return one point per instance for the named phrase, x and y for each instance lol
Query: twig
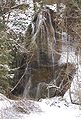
(20, 79)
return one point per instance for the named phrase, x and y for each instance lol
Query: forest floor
(57, 107)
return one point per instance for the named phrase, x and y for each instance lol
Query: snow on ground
(56, 107)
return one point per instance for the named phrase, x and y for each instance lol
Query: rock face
(63, 78)
(40, 66)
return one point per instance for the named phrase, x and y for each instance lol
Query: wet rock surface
(41, 65)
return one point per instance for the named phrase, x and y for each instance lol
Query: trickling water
(50, 35)
(51, 40)
(44, 38)
(27, 89)
(38, 91)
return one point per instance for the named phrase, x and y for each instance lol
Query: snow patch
(56, 107)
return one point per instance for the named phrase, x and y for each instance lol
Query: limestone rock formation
(40, 65)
